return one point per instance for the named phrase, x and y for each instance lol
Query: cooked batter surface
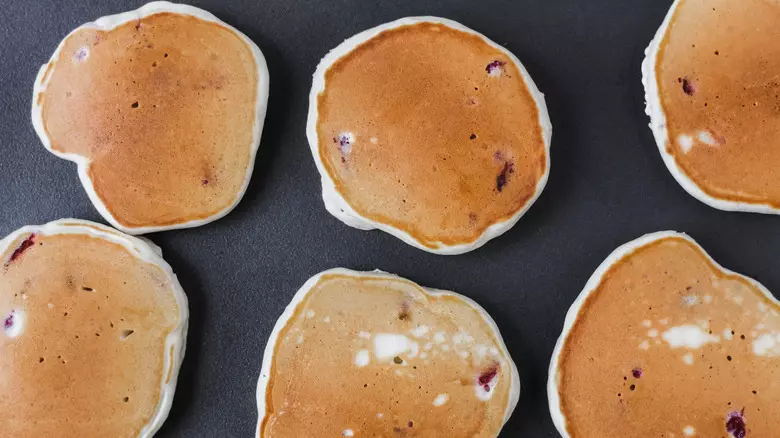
(431, 130)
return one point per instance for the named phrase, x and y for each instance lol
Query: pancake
(712, 90)
(663, 341)
(94, 328)
(371, 354)
(162, 110)
(429, 131)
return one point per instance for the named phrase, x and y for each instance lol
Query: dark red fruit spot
(342, 140)
(688, 87)
(735, 424)
(138, 25)
(503, 177)
(494, 68)
(636, 372)
(487, 376)
(205, 182)
(24, 246)
(8, 322)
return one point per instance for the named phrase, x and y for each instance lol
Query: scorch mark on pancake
(24, 246)
(404, 313)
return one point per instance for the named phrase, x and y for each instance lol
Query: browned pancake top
(718, 74)
(317, 386)
(441, 149)
(164, 108)
(621, 377)
(89, 360)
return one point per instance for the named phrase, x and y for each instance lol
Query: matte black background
(608, 185)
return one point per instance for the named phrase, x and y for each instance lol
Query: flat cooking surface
(607, 186)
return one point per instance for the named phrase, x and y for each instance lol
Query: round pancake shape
(94, 329)
(357, 354)
(161, 108)
(429, 131)
(712, 96)
(663, 341)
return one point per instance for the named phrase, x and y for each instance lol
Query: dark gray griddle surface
(607, 186)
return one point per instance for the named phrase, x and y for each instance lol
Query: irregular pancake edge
(147, 252)
(109, 22)
(300, 295)
(335, 202)
(593, 283)
(654, 109)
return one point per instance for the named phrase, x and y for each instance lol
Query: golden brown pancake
(713, 94)
(665, 342)
(428, 130)
(374, 355)
(162, 109)
(94, 324)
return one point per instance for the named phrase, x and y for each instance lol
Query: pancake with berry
(162, 110)
(663, 341)
(372, 354)
(429, 131)
(94, 326)
(713, 96)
